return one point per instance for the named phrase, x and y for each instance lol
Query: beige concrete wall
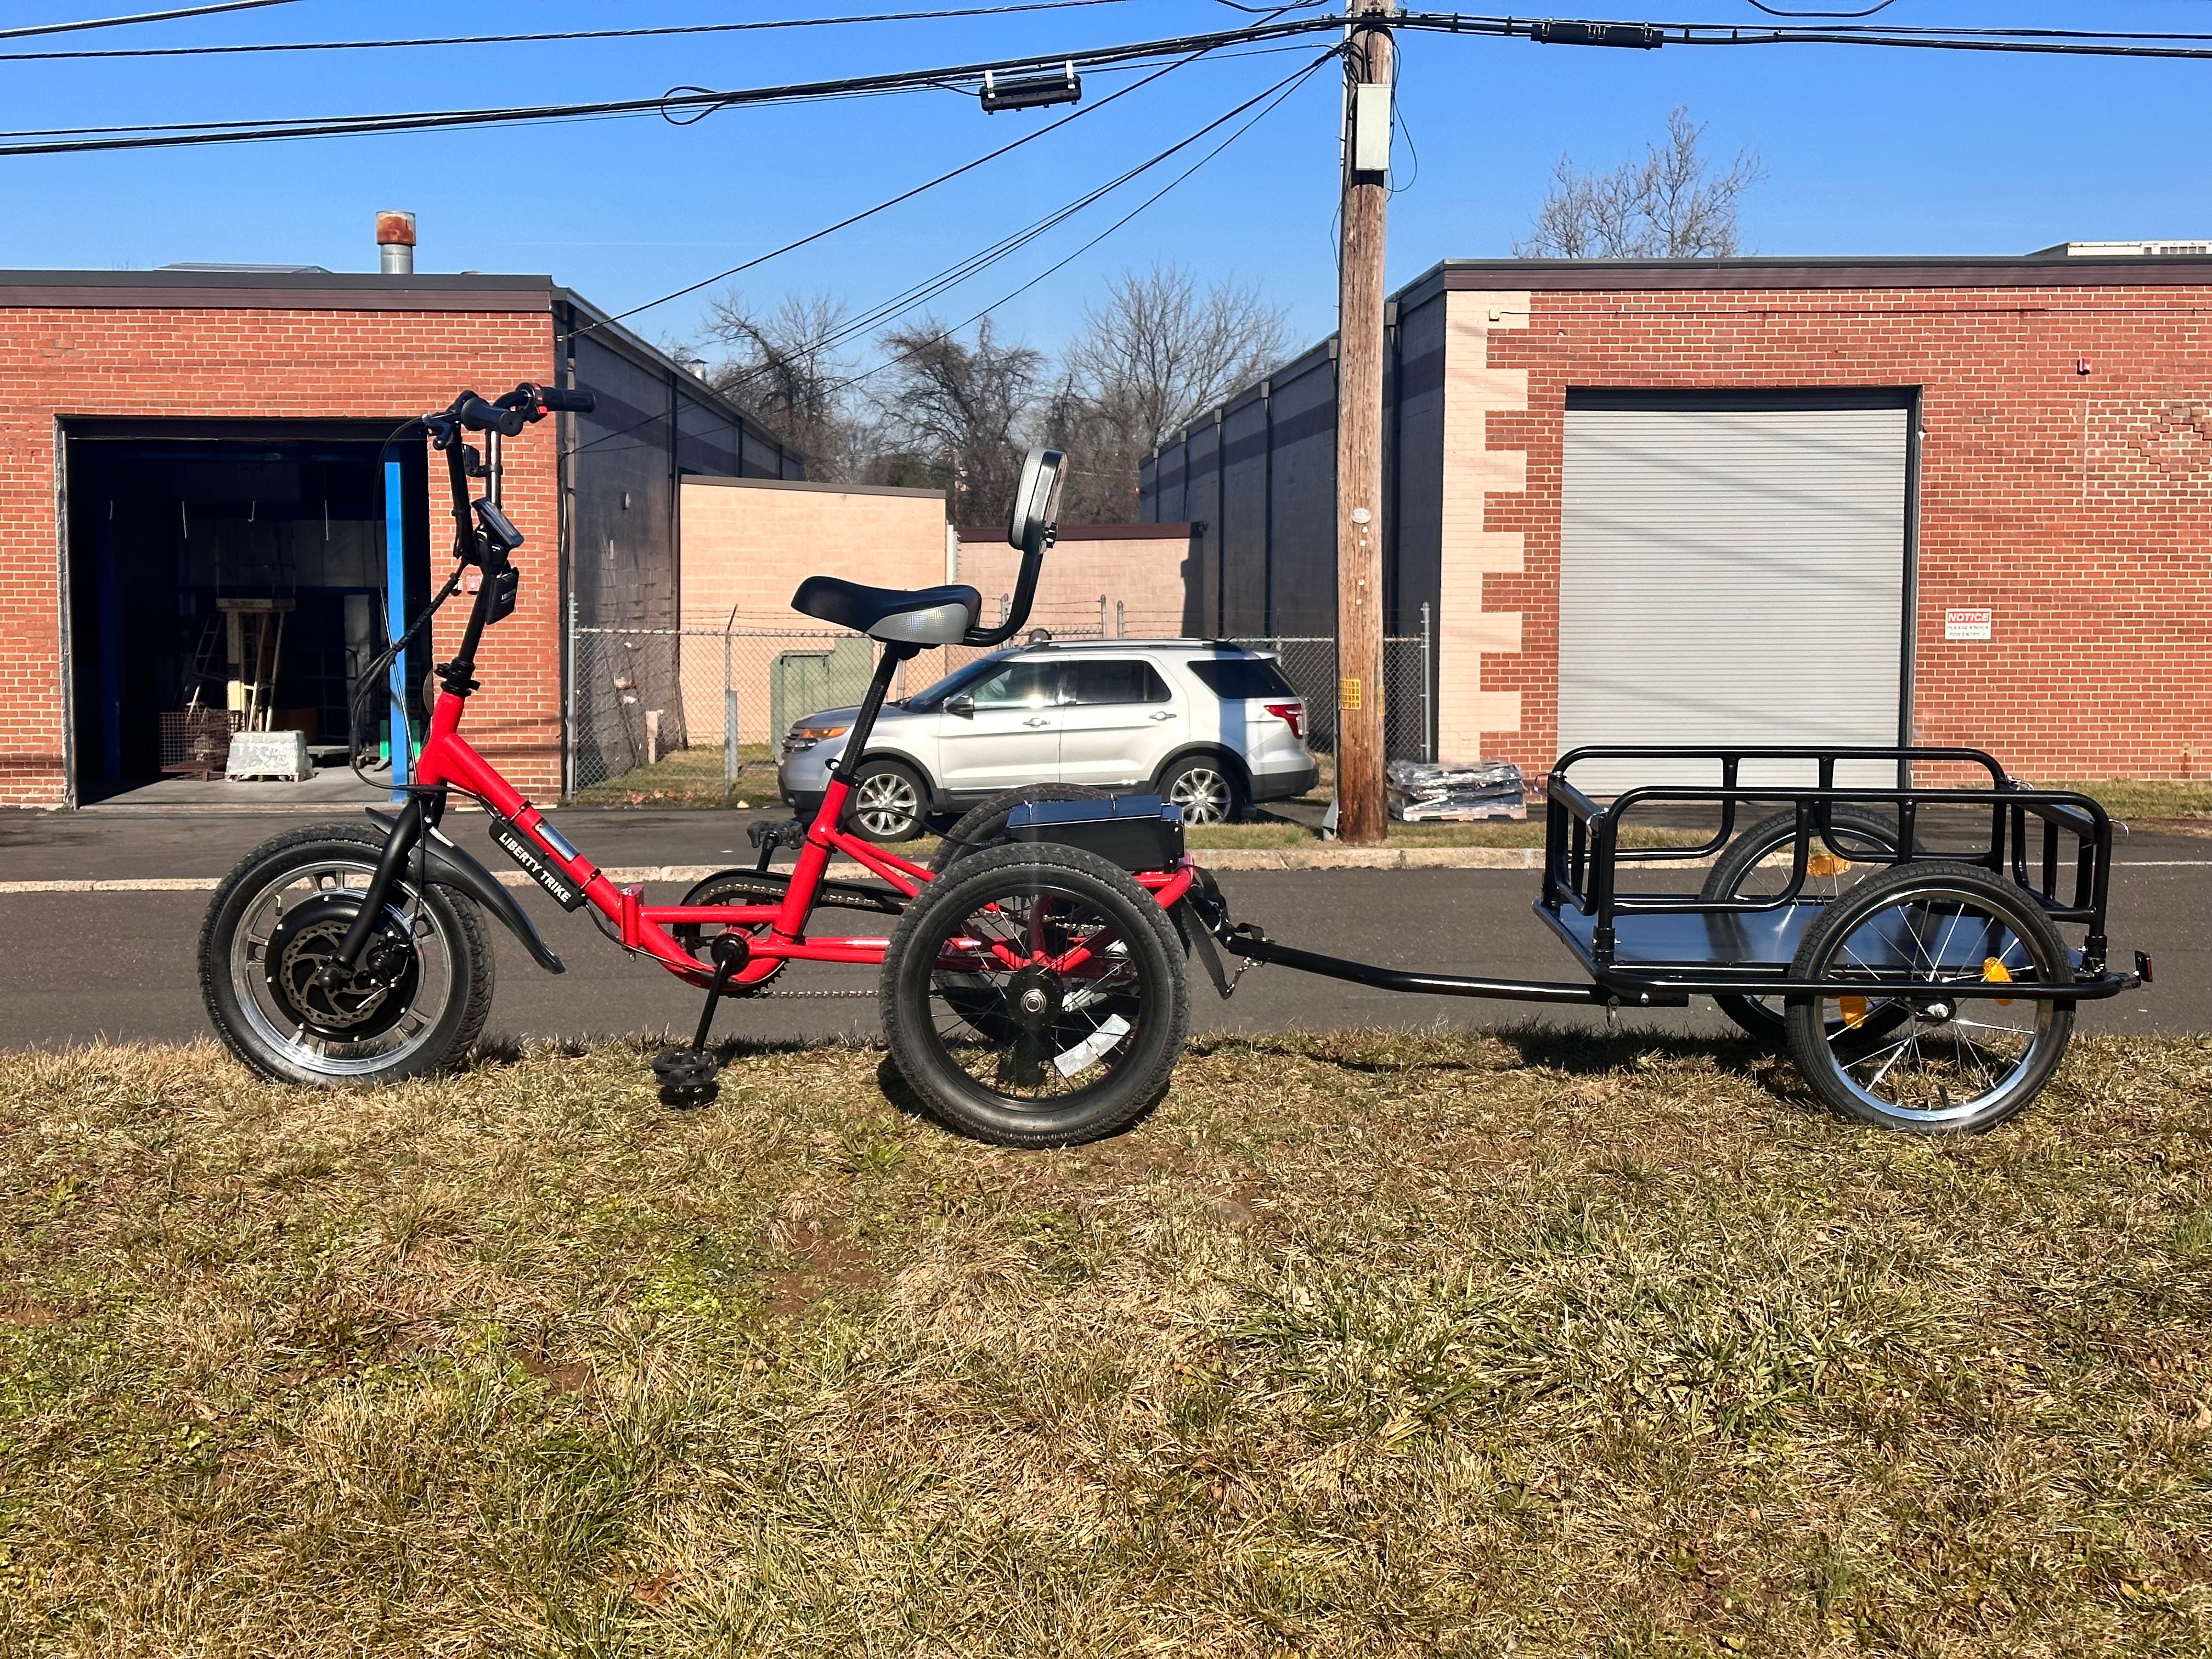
(748, 543)
(1467, 714)
(1144, 567)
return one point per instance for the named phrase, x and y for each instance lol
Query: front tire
(888, 802)
(1206, 787)
(416, 1005)
(1032, 998)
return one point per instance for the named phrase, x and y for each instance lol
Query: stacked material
(1426, 792)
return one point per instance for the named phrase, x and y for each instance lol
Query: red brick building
(1949, 501)
(178, 441)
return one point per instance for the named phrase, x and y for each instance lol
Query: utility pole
(1370, 63)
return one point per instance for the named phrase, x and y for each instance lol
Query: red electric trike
(1032, 992)
(1913, 968)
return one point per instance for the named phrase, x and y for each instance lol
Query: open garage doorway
(229, 574)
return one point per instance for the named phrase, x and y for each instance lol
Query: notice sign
(1970, 623)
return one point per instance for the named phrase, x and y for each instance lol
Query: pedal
(686, 1077)
(768, 834)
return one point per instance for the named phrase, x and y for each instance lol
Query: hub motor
(364, 1004)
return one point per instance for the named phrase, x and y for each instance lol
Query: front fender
(452, 865)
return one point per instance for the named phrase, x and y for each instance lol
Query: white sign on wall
(1968, 623)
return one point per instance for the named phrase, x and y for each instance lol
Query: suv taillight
(1291, 715)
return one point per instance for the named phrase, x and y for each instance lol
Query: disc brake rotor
(368, 1001)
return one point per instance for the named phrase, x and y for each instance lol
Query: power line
(571, 34)
(30, 29)
(1546, 31)
(1294, 82)
(890, 202)
(144, 136)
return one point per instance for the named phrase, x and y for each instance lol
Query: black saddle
(918, 616)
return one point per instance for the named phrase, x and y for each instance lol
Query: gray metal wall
(1258, 475)
(653, 424)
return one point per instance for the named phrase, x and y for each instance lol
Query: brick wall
(2078, 505)
(267, 364)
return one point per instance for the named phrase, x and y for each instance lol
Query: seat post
(864, 723)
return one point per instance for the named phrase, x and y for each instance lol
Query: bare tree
(1154, 353)
(782, 365)
(954, 414)
(1669, 205)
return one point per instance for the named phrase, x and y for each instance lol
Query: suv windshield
(1238, 679)
(959, 680)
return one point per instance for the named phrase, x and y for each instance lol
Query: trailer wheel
(1952, 1065)
(1032, 998)
(1737, 873)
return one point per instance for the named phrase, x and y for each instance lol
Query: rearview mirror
(1036, 499)
(961, 704)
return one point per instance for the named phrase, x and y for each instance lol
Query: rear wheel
(417, 1003)
(1868, 845)
(1950, 1064)
(983, 827)
(1032, 998)
(888, 802)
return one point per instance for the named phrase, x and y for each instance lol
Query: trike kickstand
(687, 1075)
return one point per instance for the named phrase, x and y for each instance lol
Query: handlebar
(555, 401)
(508, 415)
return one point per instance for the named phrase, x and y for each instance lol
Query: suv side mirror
(962, 704)
(1036, 500)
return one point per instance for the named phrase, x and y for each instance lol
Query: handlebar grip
(555, 400)
(490, 418)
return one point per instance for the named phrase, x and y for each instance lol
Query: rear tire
(983, 827)
(280, 913)
(1001, 1041)
(1950, 1065)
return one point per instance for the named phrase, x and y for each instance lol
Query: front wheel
(888, 802)
(1206, 786)
(1948, 1064)
(1032, 998)
(417, 1003)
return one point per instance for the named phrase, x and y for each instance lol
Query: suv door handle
(1036, 719)
(1165, 715)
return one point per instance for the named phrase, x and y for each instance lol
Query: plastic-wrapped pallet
(1444, 791)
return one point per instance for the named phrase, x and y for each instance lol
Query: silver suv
(1210, 725)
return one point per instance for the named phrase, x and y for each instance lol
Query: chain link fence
(694, 716)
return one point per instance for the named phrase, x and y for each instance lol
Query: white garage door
(1730, 575)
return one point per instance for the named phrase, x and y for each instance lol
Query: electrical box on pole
(1361, 814)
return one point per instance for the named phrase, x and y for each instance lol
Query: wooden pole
(1362, 808)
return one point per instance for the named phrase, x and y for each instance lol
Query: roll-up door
(1732, 572)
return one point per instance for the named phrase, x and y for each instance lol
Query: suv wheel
(1206, 786)
(888, 803)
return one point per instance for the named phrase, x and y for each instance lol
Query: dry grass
(688, 778)
(1367, 1344)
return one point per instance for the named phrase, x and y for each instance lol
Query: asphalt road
(120, 965)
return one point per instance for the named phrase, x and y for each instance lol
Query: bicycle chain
(763, 996)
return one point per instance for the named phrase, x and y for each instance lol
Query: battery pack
(1137, 832)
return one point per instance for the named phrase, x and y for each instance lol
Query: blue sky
(1866, 151)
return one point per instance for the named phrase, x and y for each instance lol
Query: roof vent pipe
(395, 242)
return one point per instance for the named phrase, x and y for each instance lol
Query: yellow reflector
(1995, 973)
(1825, 864)
(1854, 1010)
